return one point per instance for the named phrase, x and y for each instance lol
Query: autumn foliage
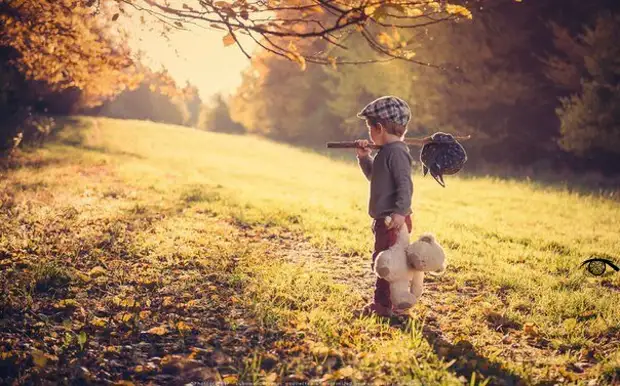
(55, 58)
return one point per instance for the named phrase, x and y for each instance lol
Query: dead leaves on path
(104, 306)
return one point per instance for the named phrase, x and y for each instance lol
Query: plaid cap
(390, 108)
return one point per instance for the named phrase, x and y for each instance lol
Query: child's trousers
(384, 239)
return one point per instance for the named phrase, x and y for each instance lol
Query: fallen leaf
(320, 349)
(230, 379)
(271, 378)
(346, 372)
(530, 329)
(98, 322)
(6, 355)
(123, 316)
(97, 271)
(129, 303)
(66, 304)
(161, 330)
(183, 327)
(83, 277)
(82, 338)
(587, 315)
(145, 314)
(39, 358)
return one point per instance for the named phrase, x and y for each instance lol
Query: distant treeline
(149, 101)
(534, 82)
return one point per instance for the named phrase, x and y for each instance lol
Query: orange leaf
(161, 330)
(369, 10)
(228, 40)
(530, 329)
(230, 379)
(332, 62)
(183, 327)
(145, 314)
(317, 9)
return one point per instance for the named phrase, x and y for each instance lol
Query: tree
(157, 99)
(59, 42)
(216, 117)
(590, 119)
(54, 58)
(293, 110)
(194, 105)
(485, 97)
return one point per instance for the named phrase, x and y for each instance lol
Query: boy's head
(387, 118)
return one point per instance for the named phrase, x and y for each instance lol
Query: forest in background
(537, 83)
(534, 83)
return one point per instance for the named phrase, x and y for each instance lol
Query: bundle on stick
(441, 153)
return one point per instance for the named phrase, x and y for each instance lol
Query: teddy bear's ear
(427, 238)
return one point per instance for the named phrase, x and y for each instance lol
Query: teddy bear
(403, 265)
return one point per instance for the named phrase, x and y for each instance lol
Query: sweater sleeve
(399, 164)
(366, 165)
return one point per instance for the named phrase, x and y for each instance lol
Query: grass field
(135, 252)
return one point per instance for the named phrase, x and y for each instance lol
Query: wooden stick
(349, 145)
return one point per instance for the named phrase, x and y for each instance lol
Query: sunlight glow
(196, 55)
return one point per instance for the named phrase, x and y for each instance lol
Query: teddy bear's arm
(417, 284)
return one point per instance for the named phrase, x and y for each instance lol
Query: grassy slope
(514, 304)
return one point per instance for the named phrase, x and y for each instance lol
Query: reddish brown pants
(384, 239)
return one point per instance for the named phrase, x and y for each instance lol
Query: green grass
(514, 304)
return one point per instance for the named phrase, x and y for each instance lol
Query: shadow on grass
(588, 183)
(468, 361)
(70, 131)
(26, 161)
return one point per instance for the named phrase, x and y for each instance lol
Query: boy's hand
(362, 148)
(397, 221)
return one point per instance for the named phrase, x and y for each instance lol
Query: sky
(197, 56)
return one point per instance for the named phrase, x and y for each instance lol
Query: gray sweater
(389, 173)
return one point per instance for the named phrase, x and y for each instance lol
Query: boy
(391, 187)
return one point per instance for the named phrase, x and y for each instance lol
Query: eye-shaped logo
(597, 266)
